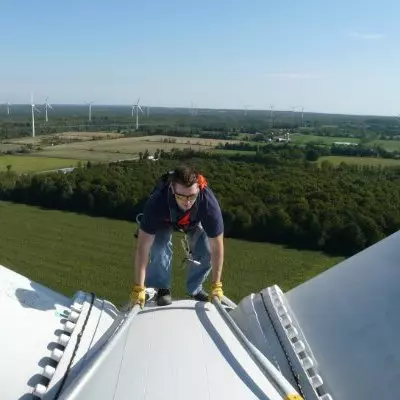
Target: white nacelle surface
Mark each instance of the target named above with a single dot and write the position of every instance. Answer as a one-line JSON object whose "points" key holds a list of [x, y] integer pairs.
{"points": [[30, 316]]}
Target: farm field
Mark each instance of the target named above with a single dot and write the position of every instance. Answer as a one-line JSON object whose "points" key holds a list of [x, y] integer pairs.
{"points": [[384, 162], [115, 149], [84, 136], [69, 252], [87, 155], [390, 145], [112, 147], [9, 146], [88, 135], [335, 160], [232, 152], [28, 163], [297, 138]]}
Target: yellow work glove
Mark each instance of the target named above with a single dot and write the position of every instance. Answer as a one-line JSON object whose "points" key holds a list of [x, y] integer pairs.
{"points": [[216, 290], [138, 296]]}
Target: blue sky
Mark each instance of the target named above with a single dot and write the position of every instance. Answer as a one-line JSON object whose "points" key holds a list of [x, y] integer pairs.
{"points": [[337, 56]]}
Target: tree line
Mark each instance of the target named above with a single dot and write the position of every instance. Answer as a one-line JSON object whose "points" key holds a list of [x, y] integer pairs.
{"points": [[340, 210], [312, 151]]}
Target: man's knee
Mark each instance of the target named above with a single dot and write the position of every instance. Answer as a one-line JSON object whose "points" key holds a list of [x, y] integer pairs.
{"points": [[159, 267]]}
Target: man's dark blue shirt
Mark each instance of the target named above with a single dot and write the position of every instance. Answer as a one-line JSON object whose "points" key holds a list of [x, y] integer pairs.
{"points": [[156, 214]]}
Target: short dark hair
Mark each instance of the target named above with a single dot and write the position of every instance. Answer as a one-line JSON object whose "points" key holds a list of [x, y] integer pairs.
{"points": [[185, 175]]}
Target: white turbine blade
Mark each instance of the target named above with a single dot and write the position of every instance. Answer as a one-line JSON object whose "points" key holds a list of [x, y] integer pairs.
{"points": [[140, 108], [49, 105]]}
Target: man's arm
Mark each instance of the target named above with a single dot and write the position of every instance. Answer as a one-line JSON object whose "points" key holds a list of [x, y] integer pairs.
{"points": [[213, 225], [145, 240], [217, 257]]}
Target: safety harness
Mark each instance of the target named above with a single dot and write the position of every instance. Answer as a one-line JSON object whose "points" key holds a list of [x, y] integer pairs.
{"points": [[179, 223], [182, 223]]}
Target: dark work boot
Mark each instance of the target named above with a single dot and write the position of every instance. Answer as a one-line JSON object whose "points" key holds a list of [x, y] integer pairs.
{"points": [[200, 296], [163, 297]]}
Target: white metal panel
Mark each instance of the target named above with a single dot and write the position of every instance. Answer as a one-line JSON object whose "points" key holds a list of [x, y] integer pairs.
{"points": [[252, 318], [181, 351], [30, 316]]}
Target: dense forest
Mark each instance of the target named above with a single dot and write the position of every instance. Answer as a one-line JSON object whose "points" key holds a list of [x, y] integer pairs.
{"points": [[339, 210]]}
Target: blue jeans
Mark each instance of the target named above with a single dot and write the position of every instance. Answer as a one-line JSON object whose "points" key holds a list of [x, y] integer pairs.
{"points": [[158, 273]]}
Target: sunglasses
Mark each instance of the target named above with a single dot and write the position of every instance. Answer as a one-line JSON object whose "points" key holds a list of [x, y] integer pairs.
{"points": [[183, 197]]}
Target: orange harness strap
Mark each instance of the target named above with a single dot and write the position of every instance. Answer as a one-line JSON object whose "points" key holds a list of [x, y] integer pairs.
{"points": [[202, 182]]}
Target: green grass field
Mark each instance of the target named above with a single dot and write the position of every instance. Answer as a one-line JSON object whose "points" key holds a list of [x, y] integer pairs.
{"points": [[128, 148], [295, 138], [69, 252], [233, 152], [389, 145], [384, 162], [121, 148], [335, 160], [28, 163]]}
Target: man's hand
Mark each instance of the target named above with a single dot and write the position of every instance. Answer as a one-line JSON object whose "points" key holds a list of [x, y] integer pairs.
{"points": [[138, 296], [216, 290]]}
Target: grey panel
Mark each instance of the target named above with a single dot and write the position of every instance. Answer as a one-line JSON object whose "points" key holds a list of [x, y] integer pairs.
{"points": [[350, 317]]}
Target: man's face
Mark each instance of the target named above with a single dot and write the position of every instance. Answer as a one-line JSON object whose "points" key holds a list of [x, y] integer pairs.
{"points": [[185, 196]]}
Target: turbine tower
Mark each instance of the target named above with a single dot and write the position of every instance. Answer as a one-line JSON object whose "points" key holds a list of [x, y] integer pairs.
{"points": [[33, 109], [271, 115], [137, 106], [193, 109], [8, 105], [293, 114], [47, 105], [90, 109]]}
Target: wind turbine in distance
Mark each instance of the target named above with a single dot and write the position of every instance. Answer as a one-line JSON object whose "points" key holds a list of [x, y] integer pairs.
{"points": [[193, 109], [33, 109], [271, 115], [47, 105], [137, 106], [90, 109], [8, 105]]}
